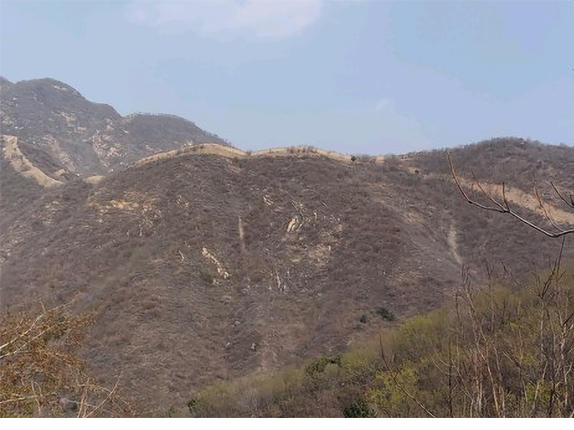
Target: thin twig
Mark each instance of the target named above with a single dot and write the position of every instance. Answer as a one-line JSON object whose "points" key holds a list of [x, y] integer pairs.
{"points": [[504, 207]]}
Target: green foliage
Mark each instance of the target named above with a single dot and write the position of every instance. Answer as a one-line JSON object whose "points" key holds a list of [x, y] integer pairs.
{"points": [[487, 354], [495, 352], [361, 363], [359, 409], [320, 364], [326, 386], [41, 374], [385, 314], [389, 392]]}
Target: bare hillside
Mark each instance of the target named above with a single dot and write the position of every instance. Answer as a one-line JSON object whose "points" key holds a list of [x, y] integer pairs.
{"points": [[205, 262], [202, 267]]}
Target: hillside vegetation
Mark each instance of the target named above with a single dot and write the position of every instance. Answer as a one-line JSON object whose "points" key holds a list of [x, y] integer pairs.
{"points": [[202, 268], [41, 373], [201, 263], [501, 351]]}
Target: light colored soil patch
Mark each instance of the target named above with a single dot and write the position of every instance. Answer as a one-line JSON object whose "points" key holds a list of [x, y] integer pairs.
{"points": [[213, 259], [320, 254], [294, 225], [520, 198], [452, 240], [299, 151], [21, 164], [93, 179], [130, 202], [515, 196], [224, 151], [241, 231], [160, 156], [413, 217], [205, 148], [230, 152]]}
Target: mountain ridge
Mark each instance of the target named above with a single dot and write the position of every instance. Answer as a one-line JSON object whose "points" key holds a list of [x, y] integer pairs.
{"points": [[207, 262], [54, 121]]}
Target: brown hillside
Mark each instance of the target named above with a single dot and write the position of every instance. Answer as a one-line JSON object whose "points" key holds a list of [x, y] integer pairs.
{"points": [[204, 267]]}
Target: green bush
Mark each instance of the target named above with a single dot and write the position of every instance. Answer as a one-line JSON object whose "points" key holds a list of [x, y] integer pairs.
{"points": [[319, 364], [385, 314], [359, 409]]}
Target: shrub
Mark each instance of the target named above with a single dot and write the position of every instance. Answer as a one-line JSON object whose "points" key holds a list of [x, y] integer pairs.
{"points": [[206, 276], [385, 314], [319, 364], [359, 409]]}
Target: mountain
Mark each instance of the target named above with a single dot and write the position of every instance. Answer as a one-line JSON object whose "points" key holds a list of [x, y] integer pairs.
{"points": [[206, 262], [4, 83], [64, 134]]}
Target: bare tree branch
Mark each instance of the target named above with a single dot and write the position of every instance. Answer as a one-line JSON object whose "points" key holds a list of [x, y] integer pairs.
{"points": [[569, 203], [504, 207]]}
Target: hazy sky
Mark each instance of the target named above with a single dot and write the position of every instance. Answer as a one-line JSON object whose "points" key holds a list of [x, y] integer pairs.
{"points": [[350, 75]]}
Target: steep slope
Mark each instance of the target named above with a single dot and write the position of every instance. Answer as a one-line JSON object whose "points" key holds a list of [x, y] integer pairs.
{"points": [[4, 83], [65, 135], [16, 193], [202, 267]]}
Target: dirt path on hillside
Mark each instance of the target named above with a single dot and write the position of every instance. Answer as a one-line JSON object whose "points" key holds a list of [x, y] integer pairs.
{"points": [[452, 239], [21, 164], [230, 152]]}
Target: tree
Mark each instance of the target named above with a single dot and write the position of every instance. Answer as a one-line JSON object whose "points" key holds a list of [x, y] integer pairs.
{"points": [[41, 374], [538, 346]]}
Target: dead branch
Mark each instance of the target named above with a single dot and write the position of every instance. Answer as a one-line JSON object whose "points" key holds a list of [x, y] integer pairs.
{"points": [[570, 202], [503, 206]]}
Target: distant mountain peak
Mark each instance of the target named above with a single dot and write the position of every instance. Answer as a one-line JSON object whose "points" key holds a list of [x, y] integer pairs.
{"points": [[58, 129], [46, 89], [4, 83]]}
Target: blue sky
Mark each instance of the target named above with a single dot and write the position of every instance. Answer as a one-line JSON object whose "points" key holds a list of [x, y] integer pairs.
{"points": [[355, 76]]}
